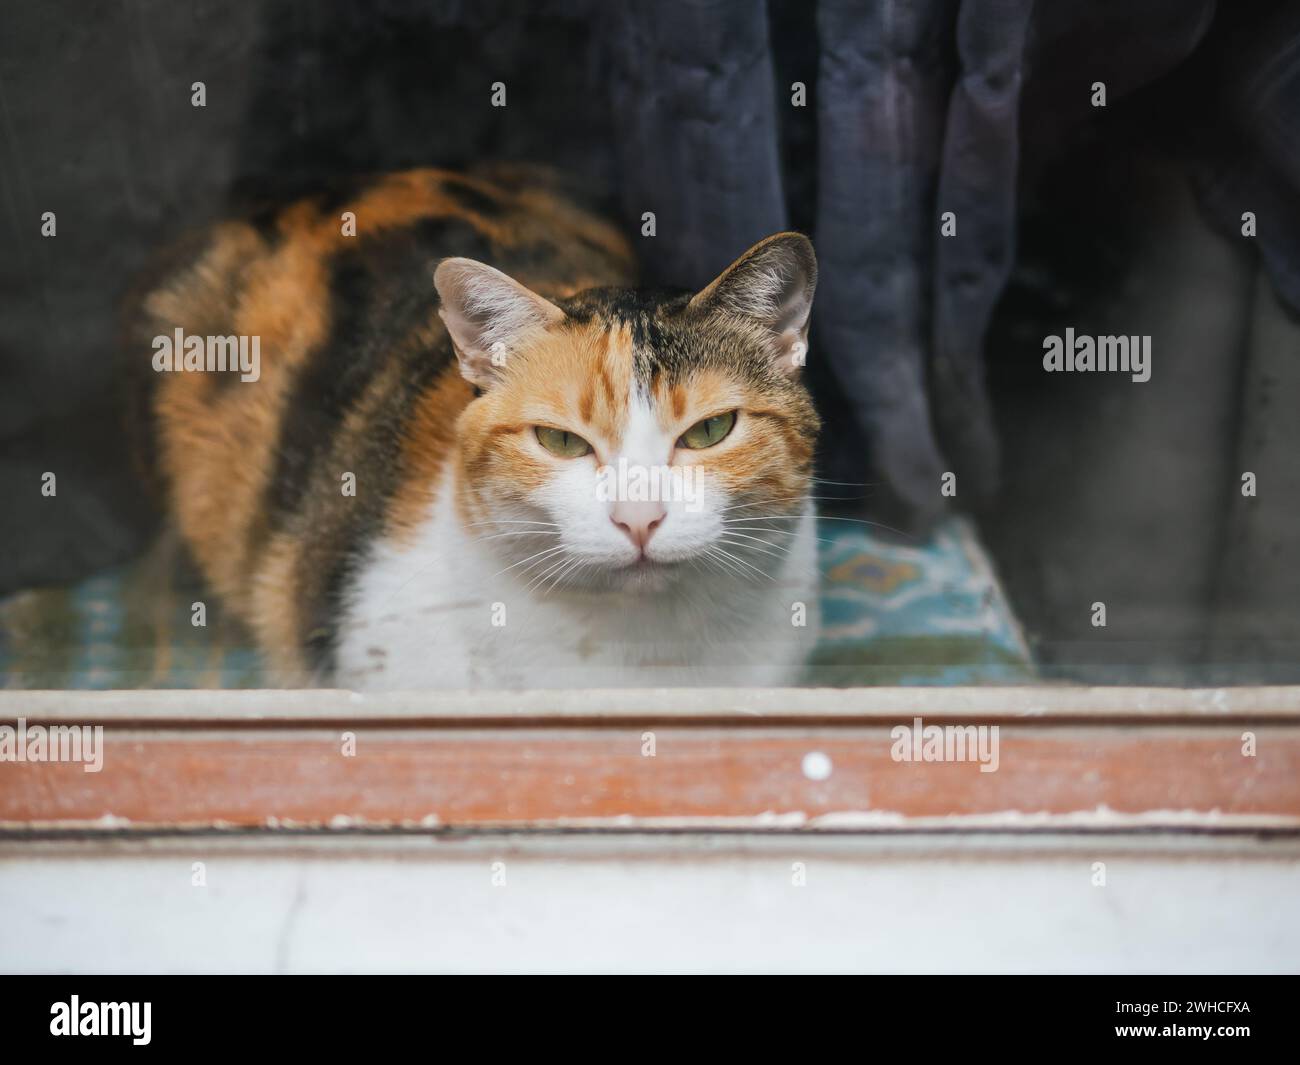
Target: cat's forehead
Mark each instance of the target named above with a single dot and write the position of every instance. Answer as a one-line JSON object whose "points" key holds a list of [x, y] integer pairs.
{"points": [[662, 346], [605, 372]]}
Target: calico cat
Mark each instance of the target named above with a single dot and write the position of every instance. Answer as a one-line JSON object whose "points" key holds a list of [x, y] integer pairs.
{"points": [[443, 472]]}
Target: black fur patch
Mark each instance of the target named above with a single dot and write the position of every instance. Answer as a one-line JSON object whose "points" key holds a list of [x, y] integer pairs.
{"points": [[473, 199], [380, 289]]}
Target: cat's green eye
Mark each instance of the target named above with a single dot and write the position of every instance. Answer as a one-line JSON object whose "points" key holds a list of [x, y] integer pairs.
{"points": [[562, 443], [708, 432]]}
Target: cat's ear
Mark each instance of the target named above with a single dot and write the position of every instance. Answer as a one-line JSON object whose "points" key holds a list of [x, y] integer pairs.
{"points": [[487, 315], [772, 283]]}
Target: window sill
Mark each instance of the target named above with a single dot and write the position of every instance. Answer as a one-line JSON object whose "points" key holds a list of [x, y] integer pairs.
{"points": [[1106, 759]]}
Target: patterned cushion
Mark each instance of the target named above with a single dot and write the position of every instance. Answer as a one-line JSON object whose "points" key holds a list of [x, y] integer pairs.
{"points": [[913, 613]]}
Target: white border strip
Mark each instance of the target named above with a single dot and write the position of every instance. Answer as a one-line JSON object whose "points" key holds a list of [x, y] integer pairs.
{"points": [[1028, 702]]}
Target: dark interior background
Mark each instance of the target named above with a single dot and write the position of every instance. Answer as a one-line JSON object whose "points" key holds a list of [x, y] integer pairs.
{"points": [[927, 358]]}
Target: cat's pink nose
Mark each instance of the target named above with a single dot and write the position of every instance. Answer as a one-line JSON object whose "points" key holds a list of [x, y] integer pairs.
{"points": [[638, 519]]}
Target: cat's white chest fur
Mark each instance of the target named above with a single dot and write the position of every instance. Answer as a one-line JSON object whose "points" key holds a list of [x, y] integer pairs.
{"points": [[439, 612]]}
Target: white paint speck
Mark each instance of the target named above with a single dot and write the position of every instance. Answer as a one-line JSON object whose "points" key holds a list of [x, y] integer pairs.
{"points": [[816, 766]]}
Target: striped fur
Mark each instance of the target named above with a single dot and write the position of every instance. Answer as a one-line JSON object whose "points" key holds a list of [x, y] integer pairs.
{"points": [[359, 377]]}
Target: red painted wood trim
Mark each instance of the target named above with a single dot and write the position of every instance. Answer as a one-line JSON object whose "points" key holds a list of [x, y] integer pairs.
{"points": [[1049, 777]]}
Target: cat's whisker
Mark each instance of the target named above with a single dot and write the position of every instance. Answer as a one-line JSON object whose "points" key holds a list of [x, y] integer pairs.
{"points": [[551, 565], [573, 574], [832, 517], [768, 548], [733, 564], [742, 548], [714, 564], [544, 583], [540, 554], [749, 522], [521, 532], [724, 565], [478, 540], [547, 583], [574, 563], [847, 484], [541, 567], [820, 517], [512, 521], [788, 514], [779, 532], [718, 564], [742, 562], [797, 513], [768, 502], [695, 565]]}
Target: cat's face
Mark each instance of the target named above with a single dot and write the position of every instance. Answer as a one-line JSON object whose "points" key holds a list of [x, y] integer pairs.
{"points": [[626, 439]]}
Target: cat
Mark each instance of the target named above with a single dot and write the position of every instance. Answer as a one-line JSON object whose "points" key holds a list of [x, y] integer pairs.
{"points": [[473, 455]]}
